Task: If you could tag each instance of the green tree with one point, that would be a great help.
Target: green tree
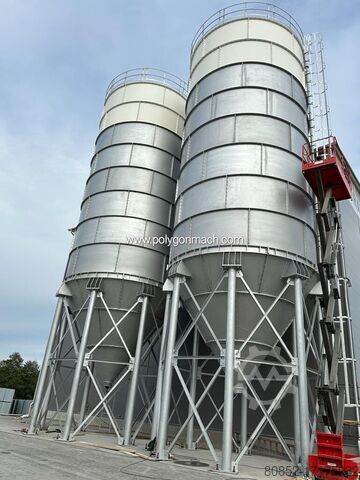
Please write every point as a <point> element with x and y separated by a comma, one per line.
<point>14,373</point>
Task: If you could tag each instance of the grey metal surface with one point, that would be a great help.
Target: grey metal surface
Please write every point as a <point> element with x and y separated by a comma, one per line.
<point>350,220</point>
<point>21,406</point>
<point>241,169</point>
<point>6,400</point>
<point>129,195</point>
<point>6,394</point>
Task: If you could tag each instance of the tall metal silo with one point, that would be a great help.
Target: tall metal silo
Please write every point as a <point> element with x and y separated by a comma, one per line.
<point>113,280</point>
<point>243,210</point>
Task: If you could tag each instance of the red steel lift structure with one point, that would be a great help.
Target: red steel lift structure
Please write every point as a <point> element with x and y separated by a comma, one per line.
<point>325,169</point>
<point>331,462</point>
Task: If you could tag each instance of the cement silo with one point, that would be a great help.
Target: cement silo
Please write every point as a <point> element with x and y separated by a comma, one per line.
<point>243,208</point>
<point>113,274</point>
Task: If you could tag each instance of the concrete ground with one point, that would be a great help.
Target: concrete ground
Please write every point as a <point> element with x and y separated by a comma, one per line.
<point>96,456</point>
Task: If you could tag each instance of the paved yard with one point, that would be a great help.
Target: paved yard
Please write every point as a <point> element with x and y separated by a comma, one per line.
<point>45,458</point>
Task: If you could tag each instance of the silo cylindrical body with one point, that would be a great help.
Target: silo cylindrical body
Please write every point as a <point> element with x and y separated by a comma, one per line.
<point>241,187</point>
<point>129,196</point>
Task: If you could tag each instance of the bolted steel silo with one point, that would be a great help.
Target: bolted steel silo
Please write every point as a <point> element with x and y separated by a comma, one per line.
<point>240,173</point>
<point>243,206</point>
<point>112,274</point>
<point>128,196</point>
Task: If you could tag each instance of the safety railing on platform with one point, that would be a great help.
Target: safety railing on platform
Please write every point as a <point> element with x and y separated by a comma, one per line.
<point>150,75</point>
<point>246,10</point>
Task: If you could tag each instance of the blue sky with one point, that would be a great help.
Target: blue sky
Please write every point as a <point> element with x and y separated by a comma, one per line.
<point>56,59</point>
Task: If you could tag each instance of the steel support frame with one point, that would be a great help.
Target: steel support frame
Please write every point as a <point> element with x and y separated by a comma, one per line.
<point>63,325</point>
<point>132,367</point>
<point>231,360</point>
<point>51,362</point>
<point>39,393</point>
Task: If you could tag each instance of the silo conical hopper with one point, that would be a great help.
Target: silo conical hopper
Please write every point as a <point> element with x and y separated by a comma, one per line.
<point>240,182</point>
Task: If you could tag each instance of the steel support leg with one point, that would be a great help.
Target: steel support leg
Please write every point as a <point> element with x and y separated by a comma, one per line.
<point>194,364</point>
<point>297,436</point>
<point>78,367</point>
<point>166,391</point>
<point>51,381</point>
<point>302,373</point>
<point>243,412</point>
<point>226,465</point>
<point>44,367</point>
<point>130,405</point>
<point>159,379</point>
<point>45,408</point>
<point>85,397</point>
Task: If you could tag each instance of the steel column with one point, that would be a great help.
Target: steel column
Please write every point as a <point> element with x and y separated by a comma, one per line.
<point>302,373</point>
<point>130,406</point>
<point>194,366</point>
<point>159,379</point>
<point>84,398</point>
<point>51,381</point>
<point>166,391</point>
<point>243,414</point>
<point>78,367</point>
<point>297,437</point>
<point>43,414</point>
<point>226,465</point>
<point>44,367</point>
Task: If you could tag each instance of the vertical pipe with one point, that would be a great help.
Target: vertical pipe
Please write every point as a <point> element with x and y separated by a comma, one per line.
<point>159,379</point>
<point>166,391</point>
<point>229,373</point>
<point>194,365</point>
<point>44,367</point>
<point>302,373</point>
<point>297,437</point>
<point>243,412</point>
<point>78,367</point>
<point>130,404</point>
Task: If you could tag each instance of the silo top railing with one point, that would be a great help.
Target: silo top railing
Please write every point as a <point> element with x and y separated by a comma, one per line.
<point>149,75</point>
<point>246,10</point>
